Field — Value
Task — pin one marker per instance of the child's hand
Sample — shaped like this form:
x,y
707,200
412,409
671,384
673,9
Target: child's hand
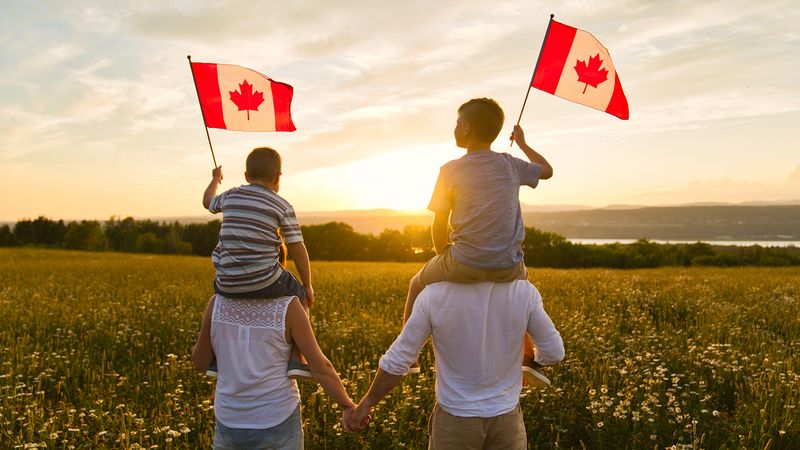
x,y
216,174
518,135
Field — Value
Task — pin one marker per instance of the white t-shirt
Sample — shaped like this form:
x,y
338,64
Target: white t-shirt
x,y
477,331
481,192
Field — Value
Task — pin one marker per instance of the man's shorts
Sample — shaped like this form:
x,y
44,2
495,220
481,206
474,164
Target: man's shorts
x,y
286,285
448,432
445,268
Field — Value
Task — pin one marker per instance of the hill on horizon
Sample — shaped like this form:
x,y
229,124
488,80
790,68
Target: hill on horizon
x,y
688,222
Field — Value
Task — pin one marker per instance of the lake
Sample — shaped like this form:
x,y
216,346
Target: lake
x,y
660,241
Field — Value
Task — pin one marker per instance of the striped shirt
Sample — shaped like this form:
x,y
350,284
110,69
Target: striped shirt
x,y
246,257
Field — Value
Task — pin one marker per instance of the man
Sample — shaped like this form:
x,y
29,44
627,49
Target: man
x,y
476,330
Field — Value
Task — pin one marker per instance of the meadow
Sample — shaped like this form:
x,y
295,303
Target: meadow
x,y
95,354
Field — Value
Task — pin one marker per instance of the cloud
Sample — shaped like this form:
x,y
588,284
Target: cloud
x,y
794,175
727,190
52,56
372,78
688,64
88,106
28,133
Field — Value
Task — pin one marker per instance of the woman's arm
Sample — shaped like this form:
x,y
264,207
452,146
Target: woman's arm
x,y
299,329
203,352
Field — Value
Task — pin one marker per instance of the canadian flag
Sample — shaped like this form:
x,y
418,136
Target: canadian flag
x,y
575,66
237,98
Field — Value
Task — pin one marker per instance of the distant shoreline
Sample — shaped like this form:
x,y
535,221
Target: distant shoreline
x,y
731,243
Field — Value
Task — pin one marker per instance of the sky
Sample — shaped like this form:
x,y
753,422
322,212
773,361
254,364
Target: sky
x,y
99,115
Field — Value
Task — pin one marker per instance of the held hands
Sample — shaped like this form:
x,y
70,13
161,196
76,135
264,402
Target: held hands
x,y
356,418
216,174
518,136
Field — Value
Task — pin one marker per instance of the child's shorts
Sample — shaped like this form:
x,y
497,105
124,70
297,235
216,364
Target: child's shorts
x,y
445,268
286,285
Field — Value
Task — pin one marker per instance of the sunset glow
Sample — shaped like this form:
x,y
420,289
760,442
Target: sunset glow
x,y
100,115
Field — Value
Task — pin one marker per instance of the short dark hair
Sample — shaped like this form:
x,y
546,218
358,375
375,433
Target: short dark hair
x,y
264,164
485,117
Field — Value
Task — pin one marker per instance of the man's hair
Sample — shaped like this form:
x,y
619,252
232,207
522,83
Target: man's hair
x,y
484,116
264,164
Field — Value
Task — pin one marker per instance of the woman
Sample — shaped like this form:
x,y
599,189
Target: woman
x,y
256,406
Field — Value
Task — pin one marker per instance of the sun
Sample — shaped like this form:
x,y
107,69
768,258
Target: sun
x,y
401,180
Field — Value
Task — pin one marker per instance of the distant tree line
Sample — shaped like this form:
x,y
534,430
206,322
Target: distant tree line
x,y
330,241
336,241
545,249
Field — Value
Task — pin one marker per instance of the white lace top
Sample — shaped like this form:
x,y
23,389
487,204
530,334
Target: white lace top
x,y
249,342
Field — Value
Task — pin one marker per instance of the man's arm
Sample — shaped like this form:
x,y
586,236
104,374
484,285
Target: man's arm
x,y
395,363
518,136
547,340
211,190
299,254
383,383
440,231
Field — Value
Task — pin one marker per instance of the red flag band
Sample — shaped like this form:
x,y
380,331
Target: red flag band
x,y
238,98
575,66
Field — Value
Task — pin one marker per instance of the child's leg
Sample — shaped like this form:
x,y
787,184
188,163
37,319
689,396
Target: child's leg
x,y
296,355
530,375
528,351
298,366
289,285
414,288
439,268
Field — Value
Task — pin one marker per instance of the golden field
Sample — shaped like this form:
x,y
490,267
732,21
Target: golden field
x,y
95,354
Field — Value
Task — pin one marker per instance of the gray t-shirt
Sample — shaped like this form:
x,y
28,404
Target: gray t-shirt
x,y
482,191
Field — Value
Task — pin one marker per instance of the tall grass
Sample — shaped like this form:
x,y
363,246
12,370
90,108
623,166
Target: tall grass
x,y
95,354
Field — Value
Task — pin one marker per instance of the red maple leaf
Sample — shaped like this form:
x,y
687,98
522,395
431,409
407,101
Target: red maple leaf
x,y
247,100
591,74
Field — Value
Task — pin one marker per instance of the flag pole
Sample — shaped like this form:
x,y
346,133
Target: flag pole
x,y
189,57
534,74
